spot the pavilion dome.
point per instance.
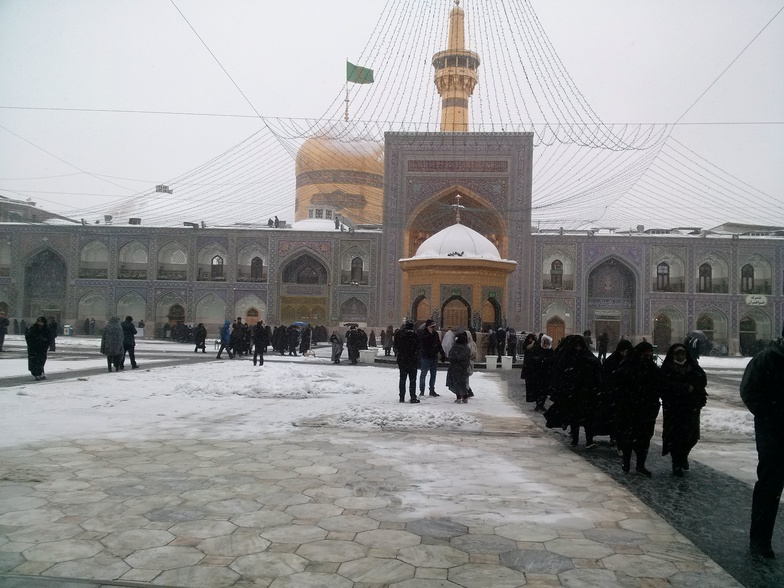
(460, 242)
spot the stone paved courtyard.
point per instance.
(330, 507)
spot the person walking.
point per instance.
(607, 405)
(37, 337)
(602, 342)
(430, 351)
(762, 391)
(537, 370)
(500, 342)
(638, 405)
(353, 342)
(112, 344)
(459, 368)
(407, 345)
(260, 342)
(389, 334)
(337, 346)
(3, 328)
(683, 395)
(576, 386)
(529, 350)
(225, 340)
(200, 338)
(129, 343)
(511, 343)
(52, 327)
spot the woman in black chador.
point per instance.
(537, 366)
(683, 395)
(607, 406)
(37, 337)
(638, 405)
(200, 338)
(576, 386)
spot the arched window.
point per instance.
(705, 324)
(706, 278)
(216, 267)
(663, 277)
(556, 274)
(747, 279)
(257, 269)
(356, 270)
(307, 275)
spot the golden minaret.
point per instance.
(455, 74)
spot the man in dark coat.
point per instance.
(762, 390)
(430, 350)
(129, 342)
(500, 341)
(602, 342)
(638, 405)
(354, 344)
(3, 328)
(292, 337)
(260, 342)
(407, 345)
(37, 337)
(200, 338)
(112, 344)
(52, 327)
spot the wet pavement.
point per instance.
(318, 506)
(712, 509)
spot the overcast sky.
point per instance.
(639, 62)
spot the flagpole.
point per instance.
(345, 116)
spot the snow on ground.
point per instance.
(231, 399)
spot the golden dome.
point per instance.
(343, 174)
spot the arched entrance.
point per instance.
(748, 335)
(611, 299)
(491, 314)
(662, 332)
(556, 328)
(455, 312)
(45, 283)
(304, 287)
(421, 310)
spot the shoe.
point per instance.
(43, 376)
(685, 464)
(135, 367)
(403, 400)
(110, 371)
(38, 378)
(218, 357)
(470, 394)
(644, 472)
(465, 400)
(421, 393)
(677, 471)
(760, 550)
(459, 401)
(433, 394)
(625, 468)
(414, 400)
(591, 445)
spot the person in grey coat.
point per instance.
(112, 343)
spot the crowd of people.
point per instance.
(619, 397)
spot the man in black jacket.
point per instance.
(407, 345)
(129, 342)
(430, 350)
(762, 390)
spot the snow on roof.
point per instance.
(458, 241)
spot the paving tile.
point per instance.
(202, 529)
(314, 510)
(371, 570)
(387, 539)
(331, 551)
(536, 562)
(311, 580)
(490, 576)
(262, 519)
(235, 545)
(43, 533)
(165, 558)
(526, 532)
(66, 550)
(640, 566)
(294, 534)
(433, 556)
(439, 528)
(17, 503)
(101, 567)
(199, 576)
(268, 565)
(348, 524)
(475, 543)
(34, 516)
(589, 579)
(137, 539)
(579, 548)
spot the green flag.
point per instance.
(358, 75)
